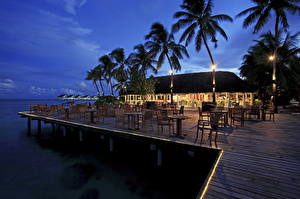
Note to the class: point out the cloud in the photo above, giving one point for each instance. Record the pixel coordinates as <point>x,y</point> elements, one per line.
<point>82,85</point>
<point>70,91</point>
<point>7,84</point>
<point>71,6</point>
<point>86,45</point>
<point>45,32</point>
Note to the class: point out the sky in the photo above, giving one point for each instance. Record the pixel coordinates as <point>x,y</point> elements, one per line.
<point>47,46</point>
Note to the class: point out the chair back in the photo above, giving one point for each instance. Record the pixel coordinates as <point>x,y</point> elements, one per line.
<point>119,112</point>
<point>203,116</point>
<point>181,111</point>
<point>148,115</point>
<point>214,120</point>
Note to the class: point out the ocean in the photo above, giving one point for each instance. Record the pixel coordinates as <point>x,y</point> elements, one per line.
<point>53,166</point>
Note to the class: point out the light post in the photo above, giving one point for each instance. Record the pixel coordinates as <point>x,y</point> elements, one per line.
<point>171,72</point>
<point>272,58</point>
<point>213,67</point>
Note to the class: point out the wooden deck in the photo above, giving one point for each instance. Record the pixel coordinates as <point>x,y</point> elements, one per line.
<point>260,160</point>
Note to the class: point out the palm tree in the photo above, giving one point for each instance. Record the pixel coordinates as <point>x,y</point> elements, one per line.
<point>92,75</point>
<point>120,73</point>
<point>261,13</point>
<point>142,59</point>
<point>199,23</point>
<point>100,74</point>
<point>109,70</point>
<point>257,68</point>
<point>161,43</point>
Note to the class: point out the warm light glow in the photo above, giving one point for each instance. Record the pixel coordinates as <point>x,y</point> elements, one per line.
<point>272,57</point>
<point>212,174</point>
<point>213,66</point>
<point>170,71</point>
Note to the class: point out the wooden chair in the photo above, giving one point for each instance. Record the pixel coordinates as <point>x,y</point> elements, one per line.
<point>271,112</point>
<point>147,119</point>
<point>162,121</point>
<point>100,114</point>
<point>212,125</point>
<point>120,118</point>
<point>81,111</point>
<point>203,124</point>
<point>237,114</point>
<point>180,112</point>
<point>253,111</point>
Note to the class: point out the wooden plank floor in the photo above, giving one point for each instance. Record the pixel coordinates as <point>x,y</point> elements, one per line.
<point>260,160</point>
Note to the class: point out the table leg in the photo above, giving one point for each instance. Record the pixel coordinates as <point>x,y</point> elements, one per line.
<point>67,113</point>
<point>179,127</point>
<point>92,117</point>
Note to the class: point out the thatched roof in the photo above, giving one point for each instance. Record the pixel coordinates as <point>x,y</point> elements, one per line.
<point>202,82</point>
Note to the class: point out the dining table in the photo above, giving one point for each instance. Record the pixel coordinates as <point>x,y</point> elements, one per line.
<point>133,119</point>
<point>91,111</point>
<point>178,119</point>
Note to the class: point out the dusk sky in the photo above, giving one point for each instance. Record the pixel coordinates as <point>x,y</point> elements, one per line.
<point>47,46</point>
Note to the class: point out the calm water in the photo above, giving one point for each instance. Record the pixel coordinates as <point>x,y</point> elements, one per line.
<point>60,167</point>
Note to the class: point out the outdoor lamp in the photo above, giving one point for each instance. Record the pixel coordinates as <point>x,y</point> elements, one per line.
<point>272,57</point>
<point>213,66</point>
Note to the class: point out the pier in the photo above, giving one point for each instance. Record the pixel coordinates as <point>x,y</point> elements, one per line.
<point>259,160</point>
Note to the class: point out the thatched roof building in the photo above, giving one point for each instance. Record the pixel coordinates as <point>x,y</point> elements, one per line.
<point>195,88</point>
<point>202,83</point>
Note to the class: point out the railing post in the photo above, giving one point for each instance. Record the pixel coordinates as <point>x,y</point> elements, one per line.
<point>64,131</point>
<point>39,130</point>
<point>29,126</point>
<point>80,135</point>
<point>111,144</point>
<point>159,157</point>
<point>53,128</point>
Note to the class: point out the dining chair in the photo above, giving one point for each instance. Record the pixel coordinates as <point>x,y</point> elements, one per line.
<point>212,124</point>
<point>237,114</point>
<point>163,120</point>
<point>147,119</point>
<point>119,118</point>
<point>271,112</point>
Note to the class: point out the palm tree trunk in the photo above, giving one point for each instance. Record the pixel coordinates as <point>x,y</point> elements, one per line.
<point>213,72</point>
<point>274,84</point>
<point>98,91</point>
<point>111,87</point>
<point>172,78</point>
<point>100,82</point>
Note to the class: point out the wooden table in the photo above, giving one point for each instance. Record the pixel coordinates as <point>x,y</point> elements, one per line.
<point>91,111</point>
<point>178,119</point>
<point>133,119</point>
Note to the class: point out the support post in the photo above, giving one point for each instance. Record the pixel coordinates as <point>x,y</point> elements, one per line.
<point>29,126</point>
<point>111,144</point>
<point>64,131</point>
<point>80,135</point>
<point>53,128</point>
<point>39,131</point>
<point>159,157</point>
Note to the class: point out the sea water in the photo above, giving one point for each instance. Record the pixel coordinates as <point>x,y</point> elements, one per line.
<point>54,166</point>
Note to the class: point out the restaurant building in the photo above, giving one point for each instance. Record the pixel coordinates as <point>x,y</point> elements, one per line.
<point>194,88</point>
